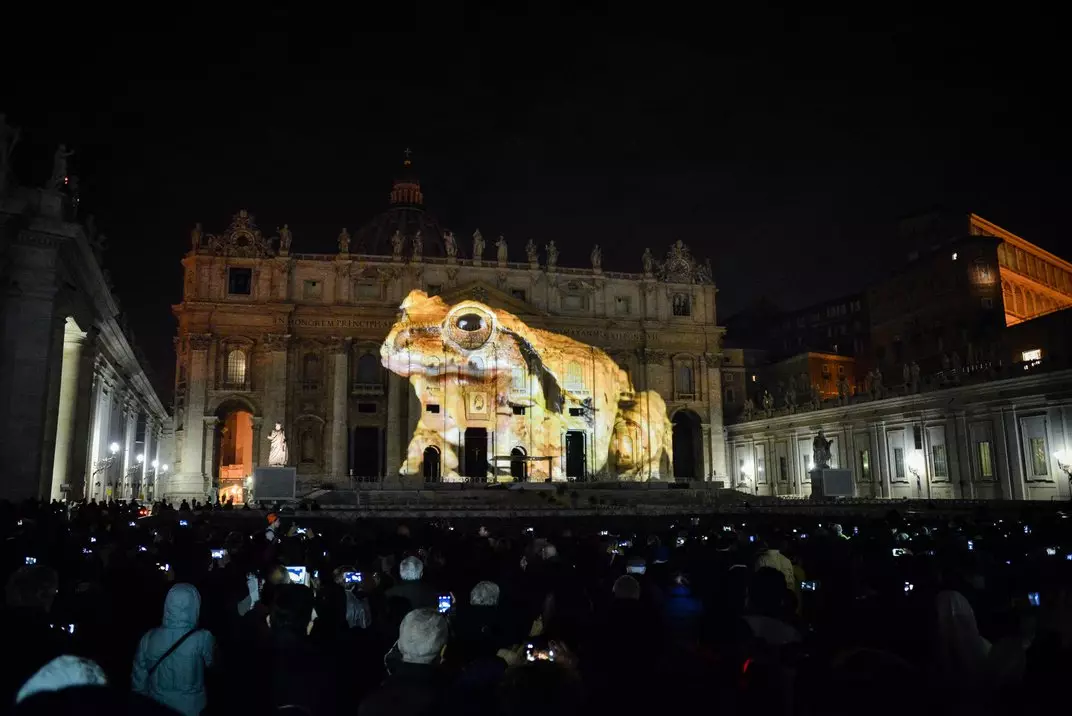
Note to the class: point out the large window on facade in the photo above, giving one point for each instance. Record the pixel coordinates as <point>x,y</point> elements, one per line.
<point>939,462</point>
<point>368,370</point>
<point>574,376</point>
<point>986,461</point>
<point>236,367</point>
<point>684,379</point>
<point>239,281</point>
<point>1036,457</point>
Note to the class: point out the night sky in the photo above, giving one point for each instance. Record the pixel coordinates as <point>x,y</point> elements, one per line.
<point>781,146</point>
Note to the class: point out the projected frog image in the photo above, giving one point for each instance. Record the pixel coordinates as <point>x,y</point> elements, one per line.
<point>500,400</point>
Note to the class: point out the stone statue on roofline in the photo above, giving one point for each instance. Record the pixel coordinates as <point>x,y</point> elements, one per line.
<point>451,244</point>
<point>285,237</point>
<point>478,245</point>
<point>552,255</point>
<point>597,258</point>
<point>501,250</point>
<point>396,245</point>
<point>344,242</point>
<point>418,246</point>
<point>648,261</point>
<point>532,253</point>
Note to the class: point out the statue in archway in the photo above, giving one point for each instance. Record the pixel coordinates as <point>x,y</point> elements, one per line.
<point>277,455</point>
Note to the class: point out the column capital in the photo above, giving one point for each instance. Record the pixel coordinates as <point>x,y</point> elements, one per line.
<point>211,420</point>
<point>257,421</point>
<point>339,345</point>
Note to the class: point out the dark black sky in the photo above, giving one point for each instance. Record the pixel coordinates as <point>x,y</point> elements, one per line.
<point>780,145</point>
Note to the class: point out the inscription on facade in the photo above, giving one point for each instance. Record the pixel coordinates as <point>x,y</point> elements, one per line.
<point>357,323</point>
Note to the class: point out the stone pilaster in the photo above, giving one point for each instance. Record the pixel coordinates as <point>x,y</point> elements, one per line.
<point>260,445</point>
<point>209,452</point>
<point>130,411</point>
<point>66,411</point>
<point>83,426</point>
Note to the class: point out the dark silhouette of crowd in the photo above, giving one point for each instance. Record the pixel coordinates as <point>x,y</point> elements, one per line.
<point>118,608</point>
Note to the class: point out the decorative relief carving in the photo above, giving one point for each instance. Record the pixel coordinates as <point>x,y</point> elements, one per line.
<point>242,238</point>
<point>276,341</point>
<point>681,267</point>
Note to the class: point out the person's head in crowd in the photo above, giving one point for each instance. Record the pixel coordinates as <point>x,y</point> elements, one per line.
<point>626,587</point>
<point>63,672</point>
<point>331,607</point>
<point>32,587</point>
<point>292,610</point>
<point>422,636</point>
<point>636,565</point>
<point>540,688</point>
<point>767,593</point>
<point>411,569</point>
<point>277,574</point>
<point>484,594</point>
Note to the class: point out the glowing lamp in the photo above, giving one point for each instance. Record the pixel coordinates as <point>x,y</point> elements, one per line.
<point>155,464</point>
<point>164,467</point>
<point>113,448</point>
<point>140,458</point>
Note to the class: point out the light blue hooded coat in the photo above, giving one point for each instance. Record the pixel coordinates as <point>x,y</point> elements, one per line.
<point>179,681</point>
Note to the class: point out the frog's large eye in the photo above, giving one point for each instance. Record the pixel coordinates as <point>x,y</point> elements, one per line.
<point>469,327</point>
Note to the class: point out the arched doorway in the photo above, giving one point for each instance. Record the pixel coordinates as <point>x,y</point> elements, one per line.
<point>233,449</point>
<point>518,468</point>
<point>688,454</point>
<point>430,464</point>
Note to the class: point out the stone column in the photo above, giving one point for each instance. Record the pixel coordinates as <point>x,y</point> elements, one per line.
<point>339,411</point>
<point>99,446</point>
<point>70,370</point>
<point>146,463</point>
<point>188,480</point>
<point>83,426</point>
<point>129,436</point>
<point>396,388</point>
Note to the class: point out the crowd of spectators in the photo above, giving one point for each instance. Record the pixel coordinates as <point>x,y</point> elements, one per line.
<point>118,608</point>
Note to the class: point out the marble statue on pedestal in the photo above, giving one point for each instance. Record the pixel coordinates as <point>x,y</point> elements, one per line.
<point>451,244</point>
<point>820,448</point>
<point>597,258</point>
<point>532,252</point>
<point>277,455</point>
<point>344,242</point>
<point>396,245</point>
<point>195,237</point>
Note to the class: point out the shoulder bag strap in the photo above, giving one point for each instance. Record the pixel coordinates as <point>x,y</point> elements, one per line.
<point>170,651</point>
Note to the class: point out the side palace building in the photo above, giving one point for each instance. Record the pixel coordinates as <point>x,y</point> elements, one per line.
<point>267,335</point>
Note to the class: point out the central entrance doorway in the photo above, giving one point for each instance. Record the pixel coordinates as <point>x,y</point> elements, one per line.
<point>575,458</point>
<point>234,450</point>
<point>475,458</point>
<point>365,458</point>
<point>688,460</point>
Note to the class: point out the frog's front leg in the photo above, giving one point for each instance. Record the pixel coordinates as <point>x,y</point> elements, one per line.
<point>424,437</point>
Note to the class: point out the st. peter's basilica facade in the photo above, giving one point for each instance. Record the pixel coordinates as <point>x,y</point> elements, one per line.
<point>270,335</point>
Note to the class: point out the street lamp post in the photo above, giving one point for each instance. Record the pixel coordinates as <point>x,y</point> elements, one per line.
<point>102,466</point>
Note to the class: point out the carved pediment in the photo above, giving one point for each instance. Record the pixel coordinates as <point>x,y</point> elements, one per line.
<point>491,295</point>
<point>242,239</point>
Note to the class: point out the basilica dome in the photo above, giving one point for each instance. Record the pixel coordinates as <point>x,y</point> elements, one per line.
<point>406,216</point>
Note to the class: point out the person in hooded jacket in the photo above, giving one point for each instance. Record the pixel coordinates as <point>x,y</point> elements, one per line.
<point>170,663</point>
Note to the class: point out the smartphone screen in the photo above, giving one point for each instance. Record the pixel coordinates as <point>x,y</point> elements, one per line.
<point>1033,599</point>
<point>218,553</point>
<point>183,523</point>
<point>809,586</point>
<point>298,575</point>
<point>534,654</point>
<point>445,603</point>
<point>352,578</point>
